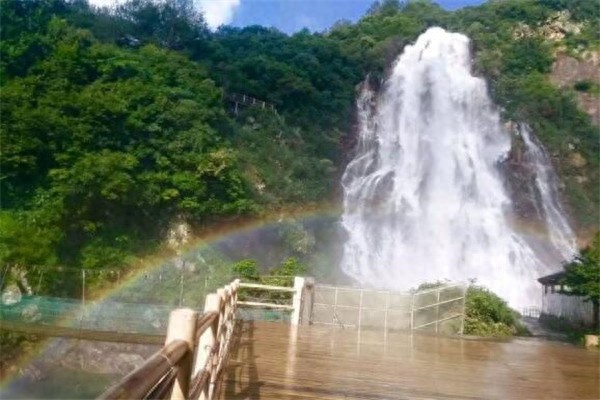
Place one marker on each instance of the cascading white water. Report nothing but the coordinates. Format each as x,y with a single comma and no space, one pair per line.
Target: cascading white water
423,198
560,232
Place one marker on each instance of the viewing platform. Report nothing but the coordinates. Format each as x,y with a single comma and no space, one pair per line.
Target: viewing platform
349,343
274,361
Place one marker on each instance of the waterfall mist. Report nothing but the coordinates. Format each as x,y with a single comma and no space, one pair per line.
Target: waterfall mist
424,197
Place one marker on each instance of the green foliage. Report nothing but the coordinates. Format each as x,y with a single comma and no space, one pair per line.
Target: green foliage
23,242
114,143
488,315
588,86
280,161
289,268
583,272
246,270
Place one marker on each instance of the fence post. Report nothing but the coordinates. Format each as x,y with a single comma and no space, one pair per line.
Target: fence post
182,326
462,321
360,301
83,286
437,310
412,311
206,344
297,300
308,300
385,316
222,309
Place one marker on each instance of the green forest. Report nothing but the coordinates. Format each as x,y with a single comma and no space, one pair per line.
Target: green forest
114,123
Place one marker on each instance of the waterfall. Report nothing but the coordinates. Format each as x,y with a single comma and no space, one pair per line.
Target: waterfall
559,230
424,198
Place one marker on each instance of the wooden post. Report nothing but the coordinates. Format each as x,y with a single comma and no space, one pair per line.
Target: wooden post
206,345
222,293
297,300
181,285
182,326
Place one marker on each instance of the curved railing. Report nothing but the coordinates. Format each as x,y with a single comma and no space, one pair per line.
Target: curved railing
197,347
194,355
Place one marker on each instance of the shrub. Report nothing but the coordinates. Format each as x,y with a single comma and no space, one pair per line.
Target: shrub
489,315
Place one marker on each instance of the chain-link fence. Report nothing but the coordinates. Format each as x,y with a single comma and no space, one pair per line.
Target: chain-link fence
440,309
105,300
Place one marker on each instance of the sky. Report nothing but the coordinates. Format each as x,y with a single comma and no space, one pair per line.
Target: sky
287,15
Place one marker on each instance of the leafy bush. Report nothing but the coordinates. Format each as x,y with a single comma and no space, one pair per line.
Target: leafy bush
246,270
489,315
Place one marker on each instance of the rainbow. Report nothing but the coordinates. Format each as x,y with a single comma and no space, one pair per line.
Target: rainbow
210,237
139,270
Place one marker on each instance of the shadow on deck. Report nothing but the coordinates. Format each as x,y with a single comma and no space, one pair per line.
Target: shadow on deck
276,361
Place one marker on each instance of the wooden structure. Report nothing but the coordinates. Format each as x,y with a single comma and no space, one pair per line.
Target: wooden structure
196,349
213,355
194,355
557,303
275,361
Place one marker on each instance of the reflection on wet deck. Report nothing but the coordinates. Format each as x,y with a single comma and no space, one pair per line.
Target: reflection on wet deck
273,361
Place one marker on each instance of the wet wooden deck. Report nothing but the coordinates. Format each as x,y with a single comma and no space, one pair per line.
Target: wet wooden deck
269,361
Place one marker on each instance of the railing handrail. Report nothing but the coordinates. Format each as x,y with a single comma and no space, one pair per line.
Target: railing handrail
205,322
197,347
267,287
139,383
194,355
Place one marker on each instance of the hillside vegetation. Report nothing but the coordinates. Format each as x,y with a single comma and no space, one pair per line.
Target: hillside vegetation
115,123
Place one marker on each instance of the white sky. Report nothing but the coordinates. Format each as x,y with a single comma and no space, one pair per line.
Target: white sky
216,12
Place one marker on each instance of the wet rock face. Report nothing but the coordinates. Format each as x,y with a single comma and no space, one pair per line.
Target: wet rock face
98,357
520,183
33,373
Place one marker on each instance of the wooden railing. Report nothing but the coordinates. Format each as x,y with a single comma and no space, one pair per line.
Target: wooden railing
302,287
192,360
196,349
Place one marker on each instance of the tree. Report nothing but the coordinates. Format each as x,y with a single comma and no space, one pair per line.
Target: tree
246,269
583,276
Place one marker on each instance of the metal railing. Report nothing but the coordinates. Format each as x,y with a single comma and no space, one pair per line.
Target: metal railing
531,312
430,309
249,101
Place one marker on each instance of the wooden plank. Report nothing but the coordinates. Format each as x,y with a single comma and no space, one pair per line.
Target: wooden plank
269,361
267,287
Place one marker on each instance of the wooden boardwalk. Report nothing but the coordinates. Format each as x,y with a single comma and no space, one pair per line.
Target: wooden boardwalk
269,361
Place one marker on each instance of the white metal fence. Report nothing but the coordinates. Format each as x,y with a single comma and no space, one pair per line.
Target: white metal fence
440,309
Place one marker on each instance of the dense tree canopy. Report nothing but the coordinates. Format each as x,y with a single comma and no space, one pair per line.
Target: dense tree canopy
114,122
